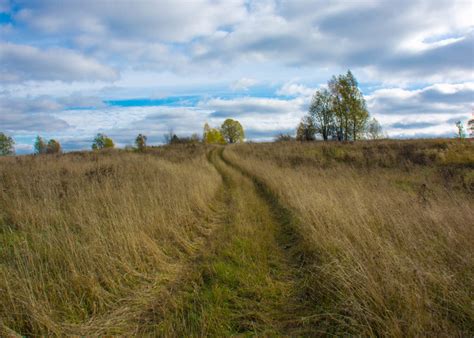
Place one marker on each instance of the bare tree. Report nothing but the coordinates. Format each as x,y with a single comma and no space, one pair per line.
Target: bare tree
374,130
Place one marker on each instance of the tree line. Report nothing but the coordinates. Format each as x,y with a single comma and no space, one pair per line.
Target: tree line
231,131
336,112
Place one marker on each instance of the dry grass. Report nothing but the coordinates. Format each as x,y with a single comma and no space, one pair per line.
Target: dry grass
388,226
371,238
82,234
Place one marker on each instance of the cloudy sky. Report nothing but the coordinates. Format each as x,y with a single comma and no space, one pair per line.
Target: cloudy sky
72,68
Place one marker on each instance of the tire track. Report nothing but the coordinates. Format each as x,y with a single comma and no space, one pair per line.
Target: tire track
298,316
248,281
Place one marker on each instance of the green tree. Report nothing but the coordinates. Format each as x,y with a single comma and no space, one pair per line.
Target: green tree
109,143
358,113
102,141
41,146
374,130
306,129
341,121
6,145
349,106
53,147
212,135
140,142
322,113
232,131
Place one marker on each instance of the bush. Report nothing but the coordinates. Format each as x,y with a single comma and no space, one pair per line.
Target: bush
6,145
284,138
102,141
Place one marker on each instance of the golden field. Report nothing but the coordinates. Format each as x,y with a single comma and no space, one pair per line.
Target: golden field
295,239
388,227
85,235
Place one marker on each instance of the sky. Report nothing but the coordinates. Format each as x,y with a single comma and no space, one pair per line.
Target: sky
71,69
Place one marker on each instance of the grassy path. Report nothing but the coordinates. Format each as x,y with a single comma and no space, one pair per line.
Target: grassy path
245,283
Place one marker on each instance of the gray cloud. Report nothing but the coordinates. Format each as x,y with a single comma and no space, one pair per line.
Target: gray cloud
456,56
23,63
246,106
152,20
187,37
412,125
200,47
18,122
255,134
40,114
428,112
436,99
353,35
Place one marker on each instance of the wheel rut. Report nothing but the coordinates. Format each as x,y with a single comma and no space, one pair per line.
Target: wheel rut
248,281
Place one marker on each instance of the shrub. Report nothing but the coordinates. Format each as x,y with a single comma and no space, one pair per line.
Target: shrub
102,141
6,145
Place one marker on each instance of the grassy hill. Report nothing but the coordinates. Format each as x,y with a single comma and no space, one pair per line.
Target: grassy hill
299,239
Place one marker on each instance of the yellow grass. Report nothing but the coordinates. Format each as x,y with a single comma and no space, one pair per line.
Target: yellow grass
292,239
82,234
390,240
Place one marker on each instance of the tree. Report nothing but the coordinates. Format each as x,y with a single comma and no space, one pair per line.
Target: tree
140,142
322,113
470,127
174,139
109,143
461,133
206,130
232,131
374,130
6,145
306,129
195,138
53,147
341,123
169,136
212,135
349,107
358,114
41,146
283,138
102,141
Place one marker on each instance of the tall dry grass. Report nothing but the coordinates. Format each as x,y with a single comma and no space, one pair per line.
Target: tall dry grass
388,227
80,234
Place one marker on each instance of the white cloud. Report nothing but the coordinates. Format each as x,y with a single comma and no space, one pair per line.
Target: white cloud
438,98
251,106
57,56
432,110
243,84
23,63
295,89
263,118
175,21
355,35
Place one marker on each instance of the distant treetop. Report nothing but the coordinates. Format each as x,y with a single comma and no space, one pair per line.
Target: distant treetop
232,131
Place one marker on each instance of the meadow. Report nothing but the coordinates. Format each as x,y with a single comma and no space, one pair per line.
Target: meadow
287,238
386,228
87,238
